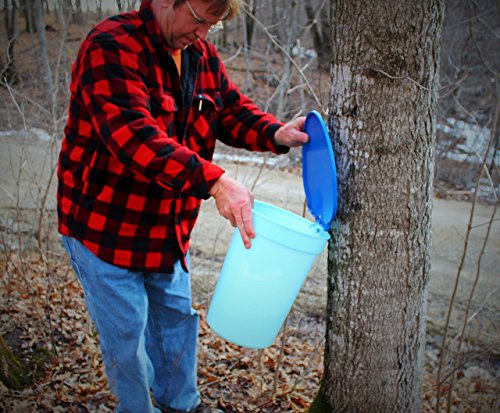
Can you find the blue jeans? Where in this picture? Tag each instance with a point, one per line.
(147, 331)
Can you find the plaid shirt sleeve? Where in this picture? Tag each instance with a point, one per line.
(117, 100)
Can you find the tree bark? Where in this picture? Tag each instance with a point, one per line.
(385, 57)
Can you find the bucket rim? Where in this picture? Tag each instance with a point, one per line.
(321, 233)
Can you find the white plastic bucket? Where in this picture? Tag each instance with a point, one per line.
(257, 287)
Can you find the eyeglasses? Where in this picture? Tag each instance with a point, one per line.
(212, 27)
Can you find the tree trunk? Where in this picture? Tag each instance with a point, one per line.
(12, 373)
(65, 13)
(78, 14)
(247, 84)
(99, 10)
(320, 31)
(9, 73)
(44, 54)
(384, 77)
(28, 16)
(290, 22)
(251, 5)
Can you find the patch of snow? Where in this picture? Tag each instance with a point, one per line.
(462, 141)
(27, 134)
(8, 133)
(255, 159)
(40, 134)
(308, 53)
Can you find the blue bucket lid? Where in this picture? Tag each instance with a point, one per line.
(318, 171)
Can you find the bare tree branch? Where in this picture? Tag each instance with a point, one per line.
(287, 55)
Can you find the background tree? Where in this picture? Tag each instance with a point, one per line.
(251, 6)
(384, 83)
(44, 54)
(289, 38)
(319, 22)
(470, 69)
(469, 118)
(78, 16)
(64, 12)
(9, 71)
(28, 16)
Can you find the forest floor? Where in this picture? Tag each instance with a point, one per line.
(43, 316)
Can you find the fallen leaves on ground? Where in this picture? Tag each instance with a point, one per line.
(44, 320)
(43, 307)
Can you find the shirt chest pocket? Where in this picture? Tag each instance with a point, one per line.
(207, 105)
(163, 108)
(205, 123)
(205, 112)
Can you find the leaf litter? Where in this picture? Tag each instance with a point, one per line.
(44, 305)
(44, 320)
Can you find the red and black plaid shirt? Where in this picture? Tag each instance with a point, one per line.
(136, 158)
